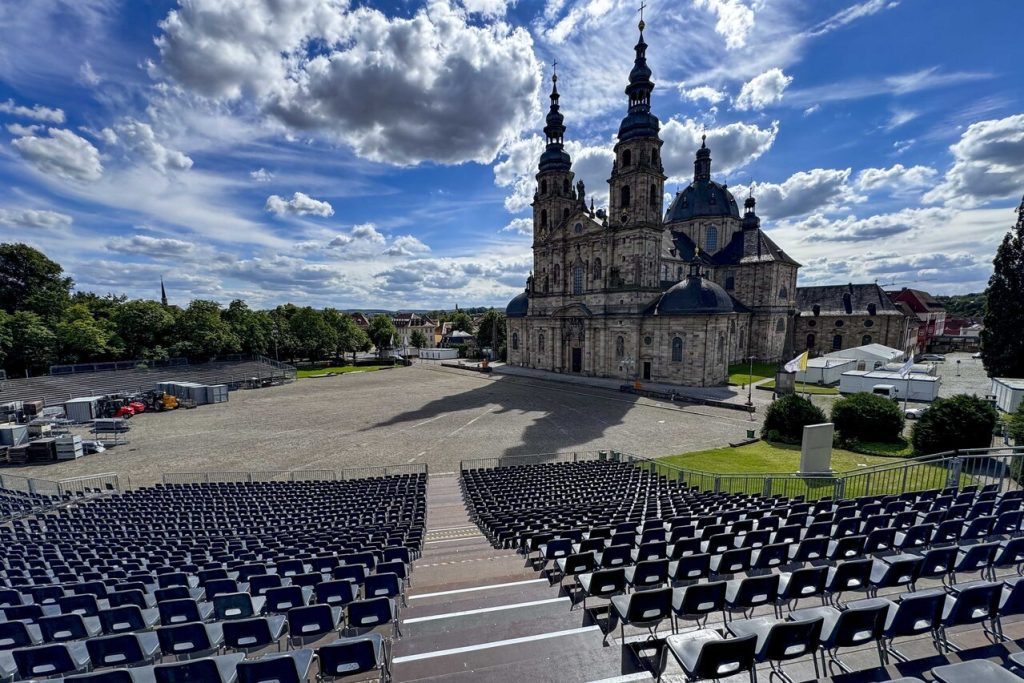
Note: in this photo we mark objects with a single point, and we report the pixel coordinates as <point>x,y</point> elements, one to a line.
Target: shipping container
<point>919,387</point>
<point>1008,392</point>
<point>13,435</point>
<point>82,409</point>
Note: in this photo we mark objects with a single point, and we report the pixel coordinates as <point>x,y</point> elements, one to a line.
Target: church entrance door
<point>647,369</point>
<point>577,360</point>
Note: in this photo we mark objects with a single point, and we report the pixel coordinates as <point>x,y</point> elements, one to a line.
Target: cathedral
<point>637,292</point>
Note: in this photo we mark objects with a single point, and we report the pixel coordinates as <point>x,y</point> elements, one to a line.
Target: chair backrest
<point>261,583</point>
<point>974,603</point>
<point>184,638</point>
<point>850,574</point>
<point>127,597</point>
<point>608,581</point>
<point>388,585</point>
<point>347,656</point>
<point>648,606</point>
<point>806,581</point>
<point>858,625</point>
<point>232,606</point>
<point>313,619</point>
<point>370,613</point>
<point>703,598</point>
<point>271,669</point>
<point>192,671</point>
<point>247,633</point>
<point>616,556</point>
<point>723,658</point>
<point>758,589</point>
<point>792,639</point>
<point>215,587</point>
<point>336,592</point>
<point>14,634</point>
<point>110,676</point>
<point>118,650</point>
<point>178,611</point>
<point>916,613</point>
<point>44,660</point>
<point>85,605</point>
<point>63,627</point>
<point>121,619</point>
<point>284,598</point>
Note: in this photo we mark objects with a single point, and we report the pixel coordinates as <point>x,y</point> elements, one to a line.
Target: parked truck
<point>915,387</point>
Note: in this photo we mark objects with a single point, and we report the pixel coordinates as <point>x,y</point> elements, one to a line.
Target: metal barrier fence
<point>93,484</point>
<point>293,475</point>
<point>59,492</point>
<point>998,467</point>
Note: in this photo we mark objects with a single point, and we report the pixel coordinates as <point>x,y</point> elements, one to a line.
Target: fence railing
<point>59,492</point>
<point>980,467</point>
<point>293,475</point>
<point>93,484</point>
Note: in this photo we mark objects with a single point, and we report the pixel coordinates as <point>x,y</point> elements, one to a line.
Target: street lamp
<point>750,388</point>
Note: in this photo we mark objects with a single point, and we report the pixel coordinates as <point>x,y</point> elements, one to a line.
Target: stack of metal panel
<point>36,429</point>
<point>10,411</point>
<point>69,447</point>
<point>33,408</point>
<point>82,409</point>
<point>17,455</point>
<point>110,425</point>
<point>42,450</point>
<point>13,435</point>
<point>200,394</point>
<point>217,393</point>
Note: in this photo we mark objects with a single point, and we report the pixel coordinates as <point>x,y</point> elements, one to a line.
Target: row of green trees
<point>43,323</point>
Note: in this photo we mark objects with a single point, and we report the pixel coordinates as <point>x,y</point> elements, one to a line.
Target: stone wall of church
<point>827,333</point>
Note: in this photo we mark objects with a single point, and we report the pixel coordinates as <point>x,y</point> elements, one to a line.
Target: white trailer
<point>439,354</point>
<point>915,387</point>
<point>1008,392</point>
<point>825,371</point>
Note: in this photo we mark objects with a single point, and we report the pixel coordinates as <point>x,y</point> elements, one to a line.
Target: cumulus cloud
<point>301,204</point>
<point>488,9</point>
<point>368,232</point>
<point>520,226</point>
<point>34,218</point>
<point>160,247</point>
<point>881,226</point>
<point>988,163</point>
<point>139,138</point>
<point>360,238</point>
<point>397,90</point>
<point>21,131</point>
<point>406,245</point>
<point>763,90</point>
<point>732,146</point>
<point>61,153</point>
<point>734,20</point>
<point>437,276</point>
<point>703,93</point>
<point>896,179</point>
<point>261,175</point>
<point>36,112</point>
<point>515,170</point>
<point>806,191</point>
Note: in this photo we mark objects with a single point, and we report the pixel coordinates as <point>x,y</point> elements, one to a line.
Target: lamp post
<point>750,388</point>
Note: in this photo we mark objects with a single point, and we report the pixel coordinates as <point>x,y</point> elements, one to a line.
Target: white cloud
<point>732,146</point>
<point>818,228</point>
<point>261,175</point>
<point>36,112</point>
<point>397,90</point>
<point>160,247</point>
<point>851,14</point>
<point>18,130</point>
<point>812,109</point>
<point>88,75</point>
<point>300,204</point>
<point>520,226</point>
<point>895,179</point>
<point>806,191</point>
<point>702,93</point>
<point>368,232</point>
<point>735,20</point>
<point>61,153</point>
<point>34,218</point>
<point>988,163</point>
<point>140,138</point>
<point>516,169</point>
<point>900,117</point>
<point>406,245</point>
<point>488,9</point>
<point>898,84</point>
<point>763,90</point>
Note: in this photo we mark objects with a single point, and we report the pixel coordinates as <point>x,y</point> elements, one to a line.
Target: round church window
<point>812,323</point>
<point>839,323</point>
<point>869,323</point>
<point>647,341</point>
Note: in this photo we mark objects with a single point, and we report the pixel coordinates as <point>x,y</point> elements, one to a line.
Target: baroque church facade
<point>637,292</point>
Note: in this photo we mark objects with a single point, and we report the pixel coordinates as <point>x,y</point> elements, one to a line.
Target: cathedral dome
<point>693,296</point>
<point>518,307</point>
<point>703,198</point>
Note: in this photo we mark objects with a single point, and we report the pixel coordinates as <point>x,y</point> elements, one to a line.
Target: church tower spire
<point>554,198</point>
<point>702,164</point>
<point>163,292</point>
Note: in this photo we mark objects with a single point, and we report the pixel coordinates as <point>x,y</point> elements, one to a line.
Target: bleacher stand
<point>174,582</point>
<point>767,580</point>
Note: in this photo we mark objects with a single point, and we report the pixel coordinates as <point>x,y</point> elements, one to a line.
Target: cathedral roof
<point>763,249</point>
<point>694,296</point>
<point>849,299</point>
<point>518,306</point>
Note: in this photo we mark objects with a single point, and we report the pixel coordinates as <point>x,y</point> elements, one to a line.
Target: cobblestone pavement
<point>403,415</point>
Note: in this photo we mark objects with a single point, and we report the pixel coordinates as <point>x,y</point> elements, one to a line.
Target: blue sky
<point>381,154</point>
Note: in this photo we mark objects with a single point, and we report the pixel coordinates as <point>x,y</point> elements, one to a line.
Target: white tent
<point>872,356</point>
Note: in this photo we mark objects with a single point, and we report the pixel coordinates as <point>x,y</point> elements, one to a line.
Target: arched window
<point>597,270</point>
<point>654,156</point>
<point>654,194</point>
<point>558,276</point>
<point>721,349</point>
<point>732,326</point>
<point>664,271</point>
<point>780,325</point>
<point>546,284</point>
<point>577,280</point>
<point>847,303</point>
<point>624,196</point>
<point>837,342</point>
<point>730,281</point>
<point>544,186</point>
<point>565,213</point>
<point>783,294</point>
<point>515,341</point>
<point>540,343</point>
<point>679,273</point>
<point>627,157</point>
<point>620,347</point>
<point>565,186</point>
<point>544,219</point>
<point>810,341</point>
<point>711,242</point>
<point>865,340</point>
<point>677,349</point>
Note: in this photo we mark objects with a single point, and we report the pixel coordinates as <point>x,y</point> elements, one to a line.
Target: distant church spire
<point>639,121</point>
<point>555,157</point>
<point>163,292</point>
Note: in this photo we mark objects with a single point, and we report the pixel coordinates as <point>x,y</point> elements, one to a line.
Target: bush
<point>786,418</point>
<point>957,422</point>
<point>1015,426</point>
<point>867,417</point>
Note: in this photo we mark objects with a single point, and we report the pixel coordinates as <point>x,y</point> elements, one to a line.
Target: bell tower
<point>554,198</point>
<point>637,183</point>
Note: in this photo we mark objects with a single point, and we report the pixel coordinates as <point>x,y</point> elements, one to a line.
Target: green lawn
<point>802,388</point>
<point>902,449</point>
<point>740,373</point>
<point>340,370</point>
<point>743,469</point>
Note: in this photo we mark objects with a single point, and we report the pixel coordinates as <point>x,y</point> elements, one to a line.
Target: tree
<point>1004,315</point>
<point>5,337</point>
<point>312,334</point>
<point>786,418</point>
<point>254,329</point>
<point>418,339</point>
<point>200,332</point>
<point>382,333</point>
<point>868,417</point>
<point>83,338</point>
<point>1014,424</point>
<point>33,346</point>
<point>957,422</point>
<point>351,338</point>
<point>29,281</point>
<point>144,328</point>
<point>460,320</point>
<point>492,319</point>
